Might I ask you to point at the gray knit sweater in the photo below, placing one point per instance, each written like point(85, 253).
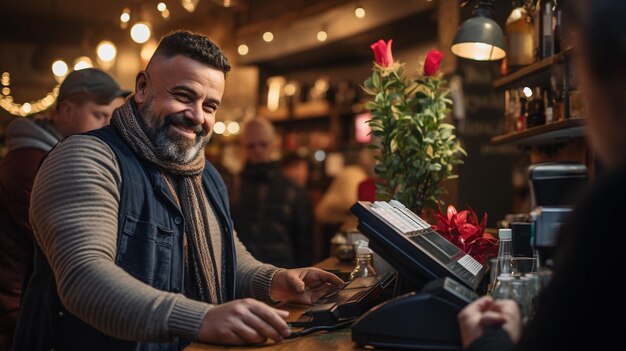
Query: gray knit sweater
point(74, 213)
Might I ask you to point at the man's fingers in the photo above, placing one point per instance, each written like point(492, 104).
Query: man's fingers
point(262, 327)
point(491, 318)
point(329, 278)
point(248, 334)
point(296, 282)
point(272, 317)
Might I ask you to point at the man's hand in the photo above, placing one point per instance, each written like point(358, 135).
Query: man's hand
point(302, 285)
point(245, 321)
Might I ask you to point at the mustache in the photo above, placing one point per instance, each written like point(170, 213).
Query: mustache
point(179, 119)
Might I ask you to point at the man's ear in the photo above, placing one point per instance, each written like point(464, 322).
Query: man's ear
point(141, 88)
point(65, 112)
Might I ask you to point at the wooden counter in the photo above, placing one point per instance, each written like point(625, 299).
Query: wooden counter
point(336, 340)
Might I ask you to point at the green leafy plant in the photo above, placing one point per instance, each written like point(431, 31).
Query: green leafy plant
point(418, 150)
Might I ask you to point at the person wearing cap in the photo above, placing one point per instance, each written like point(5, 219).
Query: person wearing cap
point(135, 245)
point(86, 101)
point(581, 306)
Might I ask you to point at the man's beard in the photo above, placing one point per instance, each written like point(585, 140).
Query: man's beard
point(175, 149)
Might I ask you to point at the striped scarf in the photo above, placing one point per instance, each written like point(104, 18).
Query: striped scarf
point(199, 257)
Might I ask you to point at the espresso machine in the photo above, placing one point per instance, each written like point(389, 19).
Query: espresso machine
point(556, 187)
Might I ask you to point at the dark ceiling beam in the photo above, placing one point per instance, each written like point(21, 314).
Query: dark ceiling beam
point(39, 29)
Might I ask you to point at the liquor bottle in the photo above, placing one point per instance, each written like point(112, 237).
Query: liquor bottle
point(557, 24)
point(519, 32)
point(547, 31)
point(535, 11)
point(549, 109)
point(520, 125)
point(536, 110)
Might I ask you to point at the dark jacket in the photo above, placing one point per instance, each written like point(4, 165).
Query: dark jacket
point(579, 307)
point(273, 216)
point(28, 142)
point(149, 247)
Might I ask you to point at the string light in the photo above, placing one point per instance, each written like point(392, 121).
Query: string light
point(27, 108)
point(125, 18)
point(106, 51)
point(82, 63)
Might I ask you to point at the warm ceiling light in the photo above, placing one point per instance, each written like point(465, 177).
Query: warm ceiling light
point(82, 63)
point(165, 14)
point(268, 36)
point(161, 7)
point(219, 127)
point(359, 12)
point(233, 127)
point(322, 35)
point(106, 51)
point(124, 18)
point(59, 68)
point(243, 49)
point(189, 5)
point(140, 32)
point(480, 38)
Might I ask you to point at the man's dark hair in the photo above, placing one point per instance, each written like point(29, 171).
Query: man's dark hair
point(194, 46)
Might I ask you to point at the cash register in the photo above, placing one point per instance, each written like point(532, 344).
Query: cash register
point(442, 277)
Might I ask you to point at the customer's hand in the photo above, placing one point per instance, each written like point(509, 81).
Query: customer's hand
point(302, 285)
point(485, 312)
point(245, 321)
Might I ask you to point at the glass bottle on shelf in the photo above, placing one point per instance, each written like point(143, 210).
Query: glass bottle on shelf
point(535, 11)
point(557, 25)
point(547, 31)
point(536, 110)
point(519, 34)
point(549, 109)
point(520, 123)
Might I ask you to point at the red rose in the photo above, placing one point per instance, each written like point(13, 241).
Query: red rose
point(432, 63)
point(382, 53)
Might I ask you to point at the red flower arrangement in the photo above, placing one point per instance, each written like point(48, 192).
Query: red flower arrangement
point(464, 231)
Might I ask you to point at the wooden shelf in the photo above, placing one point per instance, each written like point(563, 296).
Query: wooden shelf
point(536, 74)
point(551, 133)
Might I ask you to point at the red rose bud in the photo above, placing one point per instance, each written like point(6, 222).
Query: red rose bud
point(432, 63)
point(382, 53)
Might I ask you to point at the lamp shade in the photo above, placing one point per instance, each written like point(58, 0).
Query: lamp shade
point(479, 38)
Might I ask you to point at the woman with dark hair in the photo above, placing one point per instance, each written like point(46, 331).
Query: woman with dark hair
point(575, 308)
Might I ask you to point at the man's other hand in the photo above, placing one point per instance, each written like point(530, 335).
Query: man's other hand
point(302, 285)
point(245, 321)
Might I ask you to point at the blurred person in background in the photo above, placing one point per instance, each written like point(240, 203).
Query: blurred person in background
point(333, 211)
point(273, 215)
point(86, 101)
point(296, 168)
point(576, 308)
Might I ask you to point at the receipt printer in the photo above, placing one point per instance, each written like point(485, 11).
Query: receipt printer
point(416, 321)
